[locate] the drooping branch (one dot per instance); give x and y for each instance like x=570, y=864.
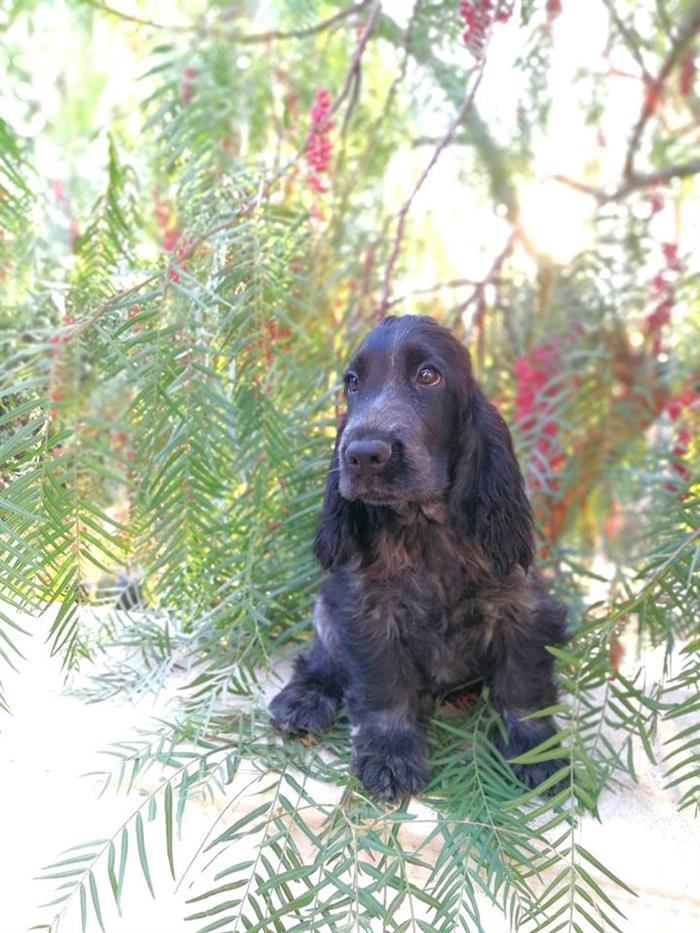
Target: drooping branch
x=639, y=402
x=403, y=212
x=476, y=133
x=352, y=79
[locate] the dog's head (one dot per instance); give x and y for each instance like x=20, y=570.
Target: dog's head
x=402, y=389
x=418, y=431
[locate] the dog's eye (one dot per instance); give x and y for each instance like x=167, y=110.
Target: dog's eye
x=352, y=383
x=428, y=376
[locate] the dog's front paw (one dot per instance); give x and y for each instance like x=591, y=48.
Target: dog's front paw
x=390, y=763
x=523, y=736
x=302, y=708
x=532, y=775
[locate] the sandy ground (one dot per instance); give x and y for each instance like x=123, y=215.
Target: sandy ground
x=46, y=805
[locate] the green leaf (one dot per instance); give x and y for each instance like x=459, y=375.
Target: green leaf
x=95, y=900
x=83, y=908
x=143, y=859
x=168, y=815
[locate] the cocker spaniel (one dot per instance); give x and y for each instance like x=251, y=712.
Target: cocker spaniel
x=427, y=537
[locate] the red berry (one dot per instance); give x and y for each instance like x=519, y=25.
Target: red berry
x=188, y=76
x=660, y=316
x=670, y=251
x=659, y=285
x=170, y=238
x=162, y=214
x=686, y=76
x=656, y=202
x=616, y=652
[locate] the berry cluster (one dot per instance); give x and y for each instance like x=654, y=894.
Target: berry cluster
x=275, y=333
x=318, y=145
x=534, y=406
x=57, y=370
x=478, y=16
x=172, y=240
x=679, y=408
x=663, y=295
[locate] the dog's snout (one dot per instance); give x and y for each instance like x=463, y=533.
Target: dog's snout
x=367, y=457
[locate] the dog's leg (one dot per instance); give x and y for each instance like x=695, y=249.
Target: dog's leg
x=384, y=704
x=312, y=698
x=523, y=684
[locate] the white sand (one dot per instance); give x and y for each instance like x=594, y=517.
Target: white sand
x=51, y=739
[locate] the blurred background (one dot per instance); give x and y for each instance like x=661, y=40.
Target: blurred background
x=203, y=207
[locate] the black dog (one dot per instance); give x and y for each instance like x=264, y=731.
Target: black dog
x=427, y=535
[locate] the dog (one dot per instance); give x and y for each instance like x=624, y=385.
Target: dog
x=426, y=533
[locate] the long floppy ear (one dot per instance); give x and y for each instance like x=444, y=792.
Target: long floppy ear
x=334, y=526
x=488, y=497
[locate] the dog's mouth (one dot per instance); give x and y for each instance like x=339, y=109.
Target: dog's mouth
x=374, y=490
x=395, y=491
x=371, y=496
x=384, y=500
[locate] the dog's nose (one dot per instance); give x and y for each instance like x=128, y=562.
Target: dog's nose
x=367, y=456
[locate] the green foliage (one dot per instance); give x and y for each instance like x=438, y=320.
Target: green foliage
x=174, y=315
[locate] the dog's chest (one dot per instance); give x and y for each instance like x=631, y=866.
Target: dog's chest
x=435, y=615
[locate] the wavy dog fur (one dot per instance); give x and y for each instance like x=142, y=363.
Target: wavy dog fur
x=426, y=533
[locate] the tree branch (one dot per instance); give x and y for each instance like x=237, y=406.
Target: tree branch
x=431, y=289
x=490, y=278
x=688, y=31
x=476, y=131
x=636, y=182
x=628, y=38
x=104, y=306
x=352, y=79
x=243, y=38
x=403, y=213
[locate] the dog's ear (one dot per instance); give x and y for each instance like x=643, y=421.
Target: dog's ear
x=334, y=526
x=487, y=497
